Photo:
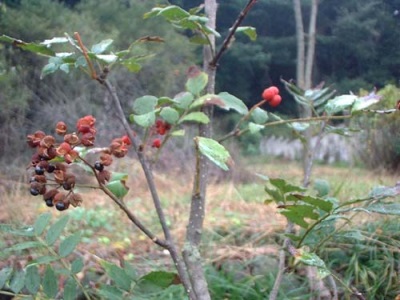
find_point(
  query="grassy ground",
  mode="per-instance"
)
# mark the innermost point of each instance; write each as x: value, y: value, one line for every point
x: 238, y: 228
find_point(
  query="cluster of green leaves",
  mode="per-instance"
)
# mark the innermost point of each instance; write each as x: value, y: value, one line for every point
x: 317, y: 215
x: 53, y: 265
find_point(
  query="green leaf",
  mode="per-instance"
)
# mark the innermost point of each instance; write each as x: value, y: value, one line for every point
x: 145, y: 120
x: 299, y: 127
x: 25, y: 245
x: 323, y: 204
x: 183, y: 100
x: 119, y: 176
x: 5, y: 275
x: 340, y: 103
x: 132, y: 64
x: 382, y: 192
x: 232, y: 102
x: 285, y: 187
x: 70, y: 289
x: 173, y: 13
x: 55, y: 40
x: 179, y: 132
x: 365, y: 102
x: 259, y: 116
x: 199, y: 40
x: 32, y: 279
x: 196, y: 83
x: 26, y: 231
x: 77, y: 265
x: 48, y: 69
x: 214, y: 151
x: 41, y: 222
x: 254, y: 128
x: 156, y: 281
x: 170, y: 115
x: 117, y: 274
x: 55, y: 230
x: 249, y: 31
x: 102, y: 47
x: 198, y: 117
x: 17, y: 281
x: 68, y: 245
x: 385, y: 208
x: 109, y: 292
x: 43, y: 260
x: 312, y: 259
x: 276, y: 195
x: 298, y: 213
x: 144, y: 105
x: 107, y: 58
x: 32, y: 47
x: 322, y: 187
x: 50, y: 284
x: 118, y: 188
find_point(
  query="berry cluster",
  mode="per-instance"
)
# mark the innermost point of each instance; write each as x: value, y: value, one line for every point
x: 161, y: 127
x: 50, y: 175
x: 271, y: 95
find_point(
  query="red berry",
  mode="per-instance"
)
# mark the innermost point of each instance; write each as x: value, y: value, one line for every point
x: 156, y: 143
x: 276, y: 100
x: 270, y: 92
x: 126, y: 140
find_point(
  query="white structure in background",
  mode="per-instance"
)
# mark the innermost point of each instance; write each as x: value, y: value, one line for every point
x: 333, y: 148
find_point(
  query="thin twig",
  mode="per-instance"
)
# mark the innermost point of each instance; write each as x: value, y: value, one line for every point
x: 228, y: 39
x: 84, y: 51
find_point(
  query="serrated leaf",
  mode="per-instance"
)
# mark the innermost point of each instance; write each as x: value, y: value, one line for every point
x: 77, y: 265
x: 276, y: 195
x: 320, y: 203
x: 232, y: 102
x: 41, y: 222
x: 340, y: 103
x: 170, y: 115
x: 68, y: 245
x: 259, y: 116
x: 183, y: 100
x: 197, y: 83
x: 70, y: 289
x: 50, y: 284
x: 5, y: 275
x: 285, y: 187
x: 156, y: 281
x: 145, y: 120
x: 101, y: 47
x: 32, y: 47
x: 254, y: 128
x: 117, y: 274
x: 249, y: 31
x: 214, y: 151
x: 32, y: 279
x: 55, y: 230
x: 297, y: 214
x: 118, y: 188
x: 198, y: 117
x: 25, y: 245
x: 17, y: 281
x: 312, y: 259
x: 144, y: 105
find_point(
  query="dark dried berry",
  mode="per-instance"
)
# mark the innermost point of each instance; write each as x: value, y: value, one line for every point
x: 67, y: 186
x: 39, y: 170
x: 49, y: 202
x: 99, y: 166
x: 34, y: 192
x: 50, y: 168
x: 61, y: 206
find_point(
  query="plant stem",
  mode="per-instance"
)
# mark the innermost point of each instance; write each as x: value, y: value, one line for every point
x: 169, y: 244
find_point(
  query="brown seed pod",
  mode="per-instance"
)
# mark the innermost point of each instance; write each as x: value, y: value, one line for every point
x: 75, y: 199
x: 72, y: 139
x: 106, y: 159
x: 59, y: 176
x: 61, y: 128
x: 47, y: 141
x: 104, y: 176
